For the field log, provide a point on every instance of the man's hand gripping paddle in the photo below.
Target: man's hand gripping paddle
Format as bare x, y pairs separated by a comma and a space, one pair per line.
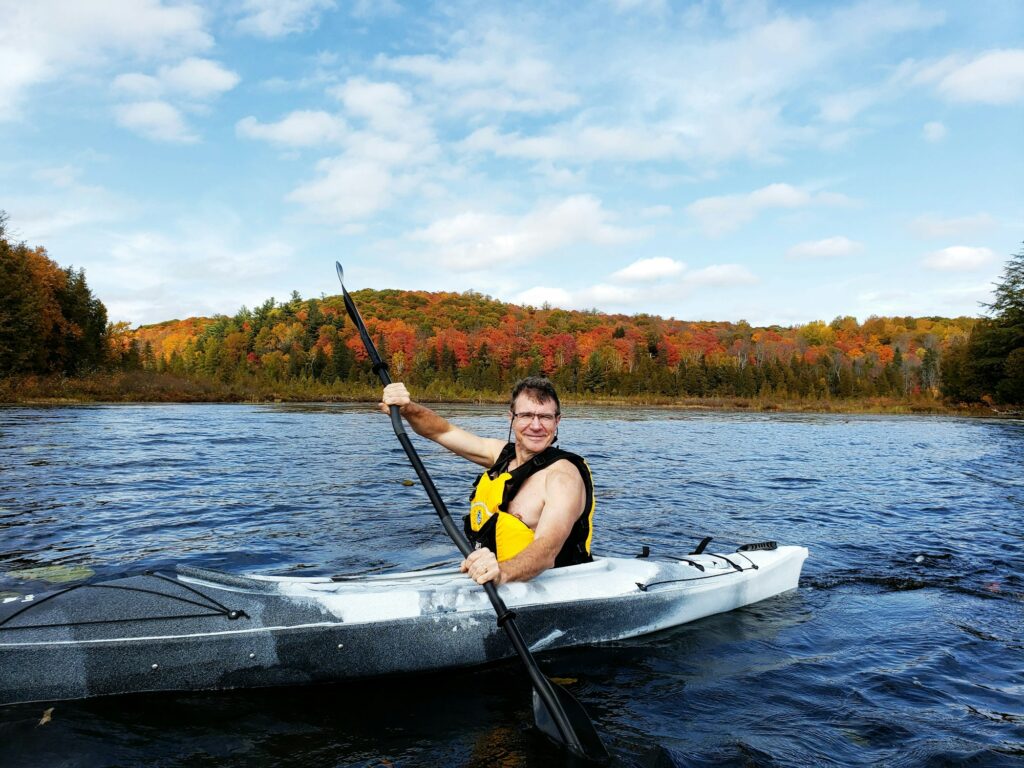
555, 711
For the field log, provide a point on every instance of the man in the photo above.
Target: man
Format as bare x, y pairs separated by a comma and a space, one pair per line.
533, 508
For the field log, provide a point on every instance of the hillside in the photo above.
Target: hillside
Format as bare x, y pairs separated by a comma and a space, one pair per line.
472, 342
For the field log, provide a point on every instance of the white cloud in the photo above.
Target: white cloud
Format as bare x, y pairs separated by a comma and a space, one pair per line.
193, 78
723, 275
559, 176
44, 40
995, 77
298, 129
199, 269
347, 189
582, 144
382, 161
655, 7
474, 240
830, 247
952, 301
541, 295
62, 177
489, 71
844, 107
138, 85
368, 9
490, 139
277, 18
206, 252
199, 78
930, 226
656, 211
155, 117
934, 132
42, 219
671, 285
601, 295
646, 270
958, 258
867, 22
387, 108
367, 178
156, 120
60, 203
732, 101
725, 213
702, 94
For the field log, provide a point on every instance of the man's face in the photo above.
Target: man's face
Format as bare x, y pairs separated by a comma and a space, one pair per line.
535, 424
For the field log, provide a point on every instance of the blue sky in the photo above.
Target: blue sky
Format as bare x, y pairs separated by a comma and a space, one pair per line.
778, 162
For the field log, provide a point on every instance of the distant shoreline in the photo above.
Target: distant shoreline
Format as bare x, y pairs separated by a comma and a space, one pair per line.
139, 388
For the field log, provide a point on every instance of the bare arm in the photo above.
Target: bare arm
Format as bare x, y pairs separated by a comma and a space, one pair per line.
565, 495
480, 450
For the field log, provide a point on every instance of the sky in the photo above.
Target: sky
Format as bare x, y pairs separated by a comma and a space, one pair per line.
776, 162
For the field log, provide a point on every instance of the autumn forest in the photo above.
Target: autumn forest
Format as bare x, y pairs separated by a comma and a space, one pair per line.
55, 342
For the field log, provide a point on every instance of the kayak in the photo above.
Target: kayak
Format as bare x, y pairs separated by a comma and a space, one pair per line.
197, 629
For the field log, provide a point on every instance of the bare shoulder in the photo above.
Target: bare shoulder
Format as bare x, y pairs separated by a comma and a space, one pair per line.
564, 472
564, 496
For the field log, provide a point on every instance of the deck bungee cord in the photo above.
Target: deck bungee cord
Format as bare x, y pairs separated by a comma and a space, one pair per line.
214, 608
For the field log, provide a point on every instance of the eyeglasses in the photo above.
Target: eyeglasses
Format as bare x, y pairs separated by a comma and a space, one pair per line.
546, 419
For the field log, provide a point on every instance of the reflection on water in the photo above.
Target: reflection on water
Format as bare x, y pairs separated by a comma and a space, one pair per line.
901, 647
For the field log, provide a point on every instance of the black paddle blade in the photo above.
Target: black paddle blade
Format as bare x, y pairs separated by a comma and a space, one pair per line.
341, 273
589, 741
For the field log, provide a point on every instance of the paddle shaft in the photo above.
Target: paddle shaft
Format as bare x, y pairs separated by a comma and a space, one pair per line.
506, 619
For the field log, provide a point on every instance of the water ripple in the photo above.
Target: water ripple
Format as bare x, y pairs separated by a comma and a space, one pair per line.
901, 648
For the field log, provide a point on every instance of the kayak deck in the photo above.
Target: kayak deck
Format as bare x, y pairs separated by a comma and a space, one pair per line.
196, 629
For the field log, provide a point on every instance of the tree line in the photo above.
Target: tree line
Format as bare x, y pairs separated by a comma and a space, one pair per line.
470, 345
465, 343
50, 323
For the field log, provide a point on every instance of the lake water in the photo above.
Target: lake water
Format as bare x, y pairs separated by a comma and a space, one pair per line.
904, 645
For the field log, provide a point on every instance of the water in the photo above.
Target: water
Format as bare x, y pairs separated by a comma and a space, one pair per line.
904, 645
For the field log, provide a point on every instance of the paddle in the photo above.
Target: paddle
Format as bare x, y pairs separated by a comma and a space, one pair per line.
556, 713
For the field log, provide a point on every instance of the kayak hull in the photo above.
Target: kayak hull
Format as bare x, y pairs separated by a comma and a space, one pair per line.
203, 630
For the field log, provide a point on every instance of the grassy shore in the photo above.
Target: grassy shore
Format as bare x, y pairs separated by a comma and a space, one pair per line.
148, 387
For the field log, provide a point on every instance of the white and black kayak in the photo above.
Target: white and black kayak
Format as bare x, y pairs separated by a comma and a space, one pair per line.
197, 629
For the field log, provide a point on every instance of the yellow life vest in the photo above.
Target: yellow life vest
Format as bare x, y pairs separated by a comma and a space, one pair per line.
511, 535
490, 524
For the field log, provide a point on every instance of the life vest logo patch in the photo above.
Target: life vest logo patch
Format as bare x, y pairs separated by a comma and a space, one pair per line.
479, 513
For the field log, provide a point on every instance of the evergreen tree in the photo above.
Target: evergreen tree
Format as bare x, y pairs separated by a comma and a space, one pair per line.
1008, 306
1007, 331
1011, 388
595, 378
341, 360
318, 363
984, 368
132, 359
314, 319
894, 374
930, 368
